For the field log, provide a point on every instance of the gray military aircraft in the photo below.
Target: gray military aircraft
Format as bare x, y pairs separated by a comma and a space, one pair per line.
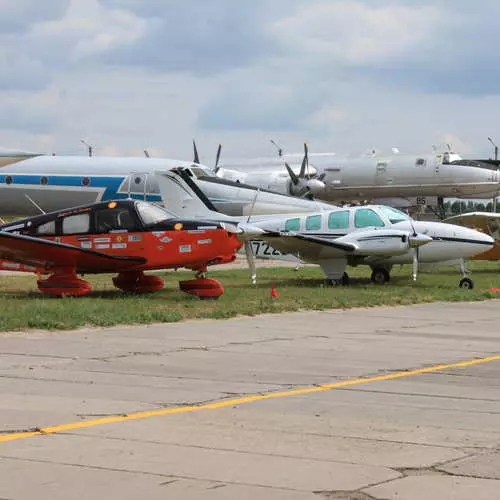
401, 180
373, 235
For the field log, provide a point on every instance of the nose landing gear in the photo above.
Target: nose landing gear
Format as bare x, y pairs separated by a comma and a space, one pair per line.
465, 282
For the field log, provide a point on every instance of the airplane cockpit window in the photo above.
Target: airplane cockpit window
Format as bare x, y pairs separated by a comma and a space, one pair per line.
313, 223
114, 219
420, 162
338, 220
393, 215
76, 224
47, 229
366, 217
292, 225
152, 214
197, 172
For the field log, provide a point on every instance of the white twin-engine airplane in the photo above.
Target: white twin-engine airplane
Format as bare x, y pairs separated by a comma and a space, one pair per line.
373, 235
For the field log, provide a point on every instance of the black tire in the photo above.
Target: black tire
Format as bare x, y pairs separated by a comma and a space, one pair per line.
380, 276
466, 283
344, 281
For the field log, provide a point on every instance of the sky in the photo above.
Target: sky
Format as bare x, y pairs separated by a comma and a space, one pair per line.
345, 76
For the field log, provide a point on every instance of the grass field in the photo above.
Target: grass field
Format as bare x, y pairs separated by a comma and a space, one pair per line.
23, 307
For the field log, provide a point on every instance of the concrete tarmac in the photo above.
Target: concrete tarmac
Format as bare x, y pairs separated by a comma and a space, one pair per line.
384, 403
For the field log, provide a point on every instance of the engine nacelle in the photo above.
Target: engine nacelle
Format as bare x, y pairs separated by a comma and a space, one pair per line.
384, 241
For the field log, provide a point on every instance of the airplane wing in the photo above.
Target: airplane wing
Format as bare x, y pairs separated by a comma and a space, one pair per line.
309, 247
486, 222
46, 254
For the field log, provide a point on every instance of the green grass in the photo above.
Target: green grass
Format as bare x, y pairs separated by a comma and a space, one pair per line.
23, 307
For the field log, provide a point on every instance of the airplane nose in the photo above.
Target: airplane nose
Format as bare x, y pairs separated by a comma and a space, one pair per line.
315, 186
418, 239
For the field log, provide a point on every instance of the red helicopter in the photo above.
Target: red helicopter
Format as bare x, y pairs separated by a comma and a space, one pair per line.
127, 237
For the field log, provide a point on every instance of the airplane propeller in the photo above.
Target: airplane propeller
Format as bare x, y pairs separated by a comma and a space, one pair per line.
196, 156
415, 243
251, 262
305, 184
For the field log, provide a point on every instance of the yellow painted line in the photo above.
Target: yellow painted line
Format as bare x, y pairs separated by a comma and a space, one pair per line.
238, 401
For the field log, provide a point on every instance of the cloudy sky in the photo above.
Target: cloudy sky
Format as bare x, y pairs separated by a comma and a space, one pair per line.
346, 76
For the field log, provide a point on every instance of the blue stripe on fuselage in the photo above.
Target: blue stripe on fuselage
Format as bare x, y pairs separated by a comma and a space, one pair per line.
111, 184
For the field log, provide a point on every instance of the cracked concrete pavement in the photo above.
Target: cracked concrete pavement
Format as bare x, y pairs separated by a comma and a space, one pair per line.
427, 435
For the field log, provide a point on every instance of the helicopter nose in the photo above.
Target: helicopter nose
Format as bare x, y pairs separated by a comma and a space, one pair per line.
315, 186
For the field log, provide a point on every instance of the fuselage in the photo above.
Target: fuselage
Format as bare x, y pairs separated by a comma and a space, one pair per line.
373, 177
56, 182
449, 242
122, 228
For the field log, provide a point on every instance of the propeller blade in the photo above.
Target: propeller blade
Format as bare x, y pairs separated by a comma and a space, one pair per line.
292, 175
196, 158
415, 264
217, 158
305, 162
251, 262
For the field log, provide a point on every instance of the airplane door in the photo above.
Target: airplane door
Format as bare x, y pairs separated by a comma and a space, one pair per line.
381, 175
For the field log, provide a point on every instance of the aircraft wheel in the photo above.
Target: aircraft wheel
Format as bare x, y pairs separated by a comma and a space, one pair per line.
380, 276
466, 283
344, 281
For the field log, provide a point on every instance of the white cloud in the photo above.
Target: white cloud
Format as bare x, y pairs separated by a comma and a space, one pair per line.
87, 29
357, 34
343, 75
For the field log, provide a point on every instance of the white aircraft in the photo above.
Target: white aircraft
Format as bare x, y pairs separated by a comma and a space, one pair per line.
31, 183
399, 179
373, 235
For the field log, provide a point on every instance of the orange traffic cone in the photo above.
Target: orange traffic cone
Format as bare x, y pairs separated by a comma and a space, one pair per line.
274, 292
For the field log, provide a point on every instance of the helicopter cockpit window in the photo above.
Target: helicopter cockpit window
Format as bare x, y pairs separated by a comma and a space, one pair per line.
152, 214
76, 224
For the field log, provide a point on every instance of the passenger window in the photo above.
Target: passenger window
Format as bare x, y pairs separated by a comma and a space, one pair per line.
114, 219
49, 228
339, 220
76, 224
365, 217
420, 162
313, 223
292, 225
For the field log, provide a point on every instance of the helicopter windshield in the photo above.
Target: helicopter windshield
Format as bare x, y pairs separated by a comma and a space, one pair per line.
393, 215
152, 214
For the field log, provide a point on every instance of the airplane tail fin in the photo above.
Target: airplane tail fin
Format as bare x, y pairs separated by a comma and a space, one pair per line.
182, 195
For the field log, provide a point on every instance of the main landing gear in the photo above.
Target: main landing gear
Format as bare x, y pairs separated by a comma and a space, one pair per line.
64, 283
380, 275
202, 287
344, 281
138, 282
